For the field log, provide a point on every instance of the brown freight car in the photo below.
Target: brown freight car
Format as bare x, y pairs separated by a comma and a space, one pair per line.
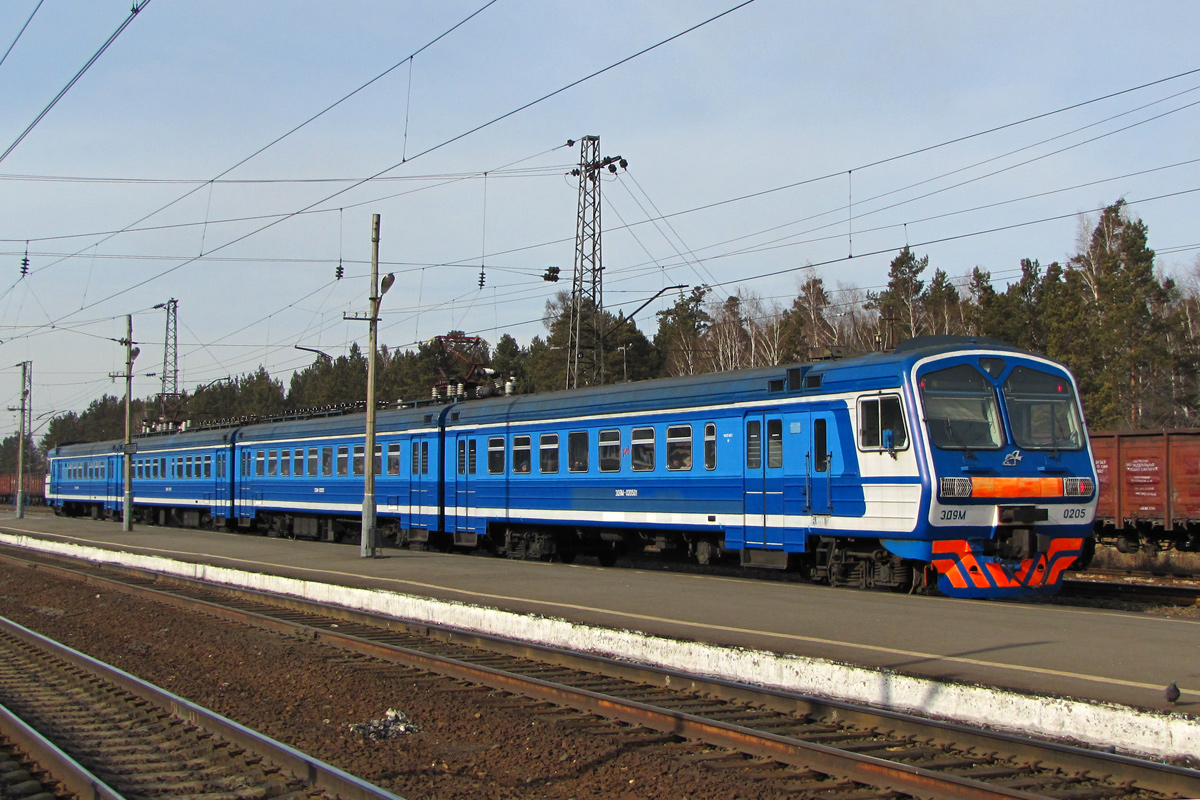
1149, 489
35, 489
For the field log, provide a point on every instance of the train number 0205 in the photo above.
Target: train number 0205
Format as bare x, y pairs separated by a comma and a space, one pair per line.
1074, 513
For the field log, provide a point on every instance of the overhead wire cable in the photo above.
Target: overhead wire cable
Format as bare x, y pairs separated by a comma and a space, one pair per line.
133, 12
427, 151
306, 122
21, 32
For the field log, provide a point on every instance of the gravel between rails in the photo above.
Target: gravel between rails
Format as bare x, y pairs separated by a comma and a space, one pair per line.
471, 743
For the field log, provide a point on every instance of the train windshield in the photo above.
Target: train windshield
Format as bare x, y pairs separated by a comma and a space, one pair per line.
961, 412
1042, 411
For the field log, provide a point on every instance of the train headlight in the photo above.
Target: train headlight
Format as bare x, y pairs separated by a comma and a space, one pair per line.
1078, 487
956, 487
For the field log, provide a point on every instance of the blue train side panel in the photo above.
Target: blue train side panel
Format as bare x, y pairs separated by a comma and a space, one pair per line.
957, 464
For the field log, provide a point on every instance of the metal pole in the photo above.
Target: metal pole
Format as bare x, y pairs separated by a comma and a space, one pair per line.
367, 544
127, 510
20, 488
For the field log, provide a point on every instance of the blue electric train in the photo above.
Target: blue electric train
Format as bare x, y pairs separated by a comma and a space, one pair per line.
960, 464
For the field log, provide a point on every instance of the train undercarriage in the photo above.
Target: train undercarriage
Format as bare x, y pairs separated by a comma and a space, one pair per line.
834, 561
1148, 538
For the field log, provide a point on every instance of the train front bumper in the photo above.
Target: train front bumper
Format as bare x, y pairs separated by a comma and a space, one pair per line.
964, 570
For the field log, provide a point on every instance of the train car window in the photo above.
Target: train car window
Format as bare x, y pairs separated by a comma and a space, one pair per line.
679, 447
471, 470
753, 444
161, 472
881, 424
377, 459
495, 455
272, 464
424, 458
820, 446
610, 450
961, 412
208, 466
314, 462
359, 458
548, 453
260, 462
285, 463
522, 455
641, 453
298, 462
327, 462
343, 460
1042, 410
220, 465
393, 458
774, 443
462, 456
416, 458
577, 451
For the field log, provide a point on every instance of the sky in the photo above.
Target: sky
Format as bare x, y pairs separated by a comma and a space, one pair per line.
766, 143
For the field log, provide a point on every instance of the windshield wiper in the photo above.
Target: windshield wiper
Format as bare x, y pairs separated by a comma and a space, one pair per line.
958, 440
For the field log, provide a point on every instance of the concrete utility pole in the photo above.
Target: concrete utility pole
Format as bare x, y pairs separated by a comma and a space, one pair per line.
26, 412
131, 353
369, 540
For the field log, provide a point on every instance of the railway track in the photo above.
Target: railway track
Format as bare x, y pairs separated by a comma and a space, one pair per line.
1131, 586
809, 744
97, 732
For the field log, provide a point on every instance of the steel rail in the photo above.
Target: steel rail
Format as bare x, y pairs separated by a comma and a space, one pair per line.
867, 769
1166, 778
61, 769
317, 773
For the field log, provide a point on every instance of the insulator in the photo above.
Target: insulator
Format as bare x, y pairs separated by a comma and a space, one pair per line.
339, 272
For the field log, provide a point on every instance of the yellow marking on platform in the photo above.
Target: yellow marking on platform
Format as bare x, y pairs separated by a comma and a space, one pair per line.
935, 657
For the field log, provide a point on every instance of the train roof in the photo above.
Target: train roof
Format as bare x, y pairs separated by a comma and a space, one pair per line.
879, 370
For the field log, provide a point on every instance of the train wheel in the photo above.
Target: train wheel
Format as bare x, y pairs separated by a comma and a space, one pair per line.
607, 558
706, 552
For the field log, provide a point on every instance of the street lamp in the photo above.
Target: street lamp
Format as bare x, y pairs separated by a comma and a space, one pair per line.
368, 542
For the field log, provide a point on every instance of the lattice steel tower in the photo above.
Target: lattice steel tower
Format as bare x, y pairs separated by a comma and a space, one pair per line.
171, 407
585, 348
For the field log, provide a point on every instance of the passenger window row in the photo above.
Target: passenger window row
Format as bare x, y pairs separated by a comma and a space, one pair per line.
325, 462
179, 467
642, 451
86, 470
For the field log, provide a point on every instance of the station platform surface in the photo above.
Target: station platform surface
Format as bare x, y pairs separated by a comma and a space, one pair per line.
1036, 648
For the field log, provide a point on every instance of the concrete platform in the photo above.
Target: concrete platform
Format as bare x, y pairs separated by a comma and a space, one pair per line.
941, 656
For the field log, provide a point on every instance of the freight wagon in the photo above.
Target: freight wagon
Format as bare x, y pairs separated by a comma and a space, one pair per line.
35, 489
1149, 489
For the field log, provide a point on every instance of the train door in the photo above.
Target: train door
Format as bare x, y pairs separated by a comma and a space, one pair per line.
114, 483
245, 481
463, 492
420, 484
763, 487
819, 462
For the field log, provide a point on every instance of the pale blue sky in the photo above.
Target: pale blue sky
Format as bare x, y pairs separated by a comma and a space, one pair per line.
774, 94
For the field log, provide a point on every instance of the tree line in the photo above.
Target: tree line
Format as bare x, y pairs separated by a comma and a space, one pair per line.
1130, 334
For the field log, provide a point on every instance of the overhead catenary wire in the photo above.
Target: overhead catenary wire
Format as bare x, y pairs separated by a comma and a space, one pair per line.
444, 143
21, 32
133, 12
